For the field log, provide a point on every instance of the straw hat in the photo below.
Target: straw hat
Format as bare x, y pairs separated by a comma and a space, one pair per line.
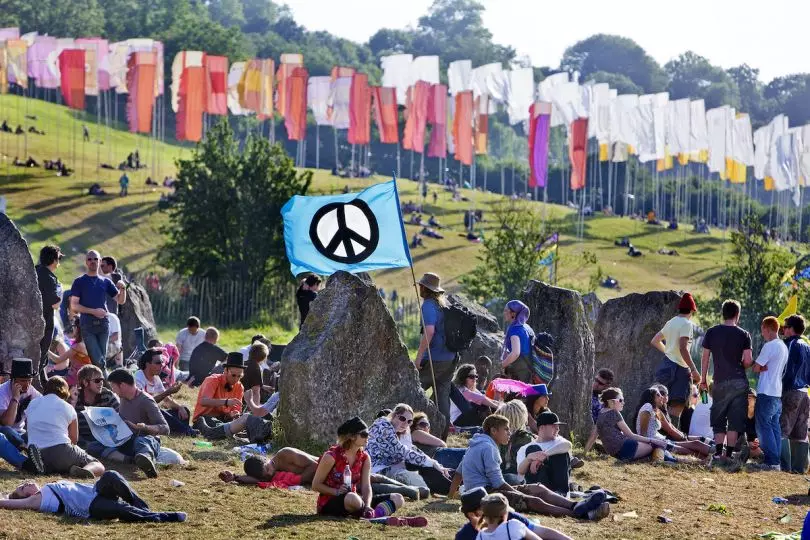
431, 282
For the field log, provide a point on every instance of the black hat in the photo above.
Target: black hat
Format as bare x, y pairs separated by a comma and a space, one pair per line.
352, 426
548, 418
235, 360
471, 500
22, 368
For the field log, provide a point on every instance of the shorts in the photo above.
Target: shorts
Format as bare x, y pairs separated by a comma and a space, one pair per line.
628, 450
729, 410
676, 378
336, 507
795, 413
60, 458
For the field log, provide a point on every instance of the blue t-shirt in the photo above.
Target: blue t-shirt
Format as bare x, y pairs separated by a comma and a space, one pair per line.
433, 315
525, 333
468, 532
92, 292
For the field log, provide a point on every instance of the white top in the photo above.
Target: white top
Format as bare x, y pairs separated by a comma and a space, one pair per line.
153, 387
516, 531
774, 354
48, 420
700, 424
5, 400
652, 426
186, 342
676, 328
115, 326
545, 446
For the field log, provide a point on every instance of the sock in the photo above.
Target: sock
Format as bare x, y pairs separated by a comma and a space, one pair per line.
385, 508
729, 450
718, 450
676, 421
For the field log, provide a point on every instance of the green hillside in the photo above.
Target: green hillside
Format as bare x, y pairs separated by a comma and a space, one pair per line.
52, 209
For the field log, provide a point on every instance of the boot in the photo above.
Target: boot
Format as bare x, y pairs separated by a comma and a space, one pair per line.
216, 433
799, 456
784, 456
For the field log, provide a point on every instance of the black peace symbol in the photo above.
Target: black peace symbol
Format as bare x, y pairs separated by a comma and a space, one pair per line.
345, 236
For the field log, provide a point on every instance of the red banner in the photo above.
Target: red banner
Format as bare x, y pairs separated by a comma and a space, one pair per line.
417, 117
141, 74
360, 110
437, 118
385, 113
192, 103
216, 85
295, 117
71, 65
462, 127
578, 152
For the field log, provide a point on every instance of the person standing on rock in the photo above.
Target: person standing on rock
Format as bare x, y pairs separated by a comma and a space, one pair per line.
444, 360
306, 293
517, 345
49, 258
88, 297
677, 370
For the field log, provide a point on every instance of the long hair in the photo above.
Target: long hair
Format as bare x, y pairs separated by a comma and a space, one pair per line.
77, 331
647, 396
463, 371
439, 297
399, 409
514, 411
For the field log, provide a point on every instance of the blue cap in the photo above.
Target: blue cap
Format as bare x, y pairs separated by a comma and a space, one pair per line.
539, 390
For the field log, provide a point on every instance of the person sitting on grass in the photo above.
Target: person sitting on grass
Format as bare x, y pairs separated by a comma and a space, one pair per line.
421, 436
73, 359
111, 497
343, 480
497, 525
91, 392
651, 418
547, 459
147, 379
471, 508
468, 405
514, 411
481, 467
617, 438
53, 428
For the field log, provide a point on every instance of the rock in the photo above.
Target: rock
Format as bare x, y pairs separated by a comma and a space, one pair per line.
347, 359
622, 335
134, 313
489, 337
560, 312
592, 305
21, 322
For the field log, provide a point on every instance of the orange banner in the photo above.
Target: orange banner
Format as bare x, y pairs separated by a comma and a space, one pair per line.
360, 110
141, 74
417, 113
463, 127
385, 114
216, 85
192, 103
71, 66
481, 119
578, 152
295, 117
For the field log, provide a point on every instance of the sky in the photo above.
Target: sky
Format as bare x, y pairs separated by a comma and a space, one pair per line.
765, 34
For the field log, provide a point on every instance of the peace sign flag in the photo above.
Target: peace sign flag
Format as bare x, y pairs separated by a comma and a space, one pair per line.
355, 232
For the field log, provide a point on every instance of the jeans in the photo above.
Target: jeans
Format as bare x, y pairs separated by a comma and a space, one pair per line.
767, 413
553, 474
177, 426
117, 500
10, 453
450, 457
95, 335
135, 445
13, 436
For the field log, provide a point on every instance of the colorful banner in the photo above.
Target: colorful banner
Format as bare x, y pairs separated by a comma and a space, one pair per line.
385, 113
539, 129
71, 68
481, 120
360, 110
188, 92
437, 117
578, 152
17, 61
38, 62
288, 63
216, 85
234, 77
3, 69
462, 127
318, 90
417, 111
295, 117
97, 50
141, 83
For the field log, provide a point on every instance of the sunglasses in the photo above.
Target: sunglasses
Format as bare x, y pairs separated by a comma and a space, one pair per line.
98, 380
409, 421
92, 258
600, 382
619, 400
425, 425
472, 377
363, 434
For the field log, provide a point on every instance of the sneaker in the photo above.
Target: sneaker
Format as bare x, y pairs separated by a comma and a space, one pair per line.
77, 472
602, 512
36, 459
596, 499
417, 521
146, 464
577, 463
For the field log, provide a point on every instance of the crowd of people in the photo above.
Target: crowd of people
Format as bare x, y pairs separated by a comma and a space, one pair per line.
517, 460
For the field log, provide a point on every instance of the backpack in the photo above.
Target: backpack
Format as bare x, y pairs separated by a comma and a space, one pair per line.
542, 358
460, 327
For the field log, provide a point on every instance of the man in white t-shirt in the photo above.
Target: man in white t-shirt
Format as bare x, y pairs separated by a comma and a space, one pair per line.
187, 340
677, 371
114, 344
15, 396
547, 459
770, 364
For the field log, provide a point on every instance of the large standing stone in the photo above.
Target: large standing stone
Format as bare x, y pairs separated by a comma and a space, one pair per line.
623, 332
560, 313
592, 305
488, 339
21, 322
136, 312
347, 360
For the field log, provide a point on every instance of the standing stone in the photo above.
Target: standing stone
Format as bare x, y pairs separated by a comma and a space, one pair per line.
21, 322
136, 312
560, 313
488, 338
623, 332
347, 360
592, 306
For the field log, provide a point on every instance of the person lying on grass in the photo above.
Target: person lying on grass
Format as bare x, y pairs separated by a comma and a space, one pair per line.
471, 508
111, 497
343, 481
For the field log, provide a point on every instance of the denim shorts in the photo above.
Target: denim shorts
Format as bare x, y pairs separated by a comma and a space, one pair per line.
628, 450
676, 378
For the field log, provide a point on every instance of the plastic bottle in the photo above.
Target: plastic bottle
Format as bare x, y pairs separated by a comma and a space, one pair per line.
704, 397
203, 444
347, 477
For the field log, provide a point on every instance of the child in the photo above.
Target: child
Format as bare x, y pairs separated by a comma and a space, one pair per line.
471, 508
497, 525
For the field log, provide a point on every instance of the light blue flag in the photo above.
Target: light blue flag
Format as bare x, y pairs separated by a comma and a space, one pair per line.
355, 232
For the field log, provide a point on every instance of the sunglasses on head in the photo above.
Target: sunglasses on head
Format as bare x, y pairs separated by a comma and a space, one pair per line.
409, 421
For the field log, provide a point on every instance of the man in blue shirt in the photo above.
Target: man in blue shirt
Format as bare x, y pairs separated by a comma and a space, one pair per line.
89, 298
795, 401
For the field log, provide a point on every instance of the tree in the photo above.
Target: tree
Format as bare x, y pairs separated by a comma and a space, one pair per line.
55, 17
618, 55
791, 95
620, 82
750, 88
693, 76
225, 220
387, 41
227, 12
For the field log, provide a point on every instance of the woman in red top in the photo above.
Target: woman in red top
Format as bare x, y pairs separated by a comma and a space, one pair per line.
337, 499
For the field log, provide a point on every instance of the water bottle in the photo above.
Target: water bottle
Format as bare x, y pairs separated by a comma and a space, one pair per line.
347, 477
704, 396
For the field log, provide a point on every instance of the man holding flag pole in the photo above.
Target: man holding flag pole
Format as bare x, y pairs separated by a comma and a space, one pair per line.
358, 232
